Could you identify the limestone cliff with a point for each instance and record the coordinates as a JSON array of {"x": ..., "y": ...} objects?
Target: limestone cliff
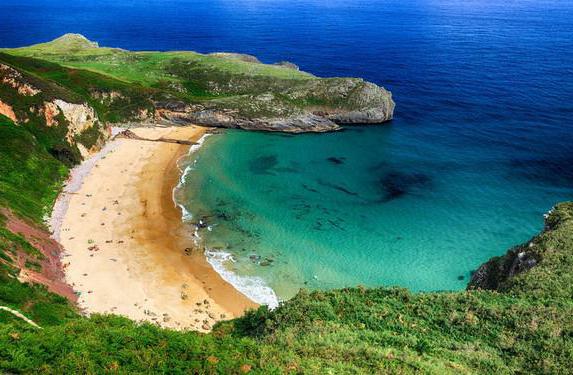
[
  {"x": 228, "y": 90},
  {"x": 536, "y": 267},
  {"x": 73, "y": 128}
]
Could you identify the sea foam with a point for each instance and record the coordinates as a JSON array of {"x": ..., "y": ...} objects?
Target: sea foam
[{"x": 252, "y": 287}]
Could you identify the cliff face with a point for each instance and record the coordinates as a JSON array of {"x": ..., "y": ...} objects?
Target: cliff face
[
  {"x": 541, "y": 267},
  {"x": 221, "y": 89},
  {"x": 69, "y": 124}
]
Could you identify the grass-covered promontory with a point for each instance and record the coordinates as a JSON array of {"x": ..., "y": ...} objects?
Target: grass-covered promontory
[
  {"x": 220, "y": 89},
  {"x": 517, "y": 316}
]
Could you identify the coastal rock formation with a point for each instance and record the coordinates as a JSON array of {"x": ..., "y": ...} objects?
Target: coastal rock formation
[
  {"x": 72, "y": 126},
  {"x": 539, "y": 258},
  {"x": 227, "y": 90},
  {"x": 363, "y": 103},
  {"x": 7, "y": 111},
  {"x": 493, "y": 274},
  {"x": 13, "y": 78}
]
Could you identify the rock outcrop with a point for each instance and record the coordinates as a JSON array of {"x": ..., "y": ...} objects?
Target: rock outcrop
[
  {"x": 228, "y": 90},
  {"x": 338, "y": 102},
  {"x": 80, "y": 117},
  {"x": 13, "y": 78},
  {"x": 539, "y": 254},
  {"x": 7, "y": 111},
  {"x": 495, "y": 272}
]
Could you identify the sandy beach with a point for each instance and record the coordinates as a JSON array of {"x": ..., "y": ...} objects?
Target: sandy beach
[{"x": 127, "y": 251}]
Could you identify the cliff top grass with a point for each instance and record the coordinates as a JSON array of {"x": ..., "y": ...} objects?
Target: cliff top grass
[
  {"x": 146, "y": 67},
  {"x": 222, "y": 81}
]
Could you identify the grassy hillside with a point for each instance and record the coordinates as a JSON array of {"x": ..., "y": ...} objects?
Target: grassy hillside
[
  {"x": 221, "y": 81},
  {"x": 29, "y": 180},
  {"x": 524, "y": 324}
]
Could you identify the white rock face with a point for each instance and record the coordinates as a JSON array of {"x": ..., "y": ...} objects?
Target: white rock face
[
  {"x": 79, "y": 116},
  {"x": 7, "y": 111}
]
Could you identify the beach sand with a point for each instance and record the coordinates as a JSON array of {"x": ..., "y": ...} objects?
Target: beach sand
[{"x": 125, "y": 242}]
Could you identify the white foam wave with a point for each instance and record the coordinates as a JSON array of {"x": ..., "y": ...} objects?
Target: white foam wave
[
  {"x": 186, "y": 214},
  {"x": 253, "y": 287}
]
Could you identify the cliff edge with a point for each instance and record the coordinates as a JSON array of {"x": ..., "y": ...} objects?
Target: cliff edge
[{"x": 219, "y": 89}]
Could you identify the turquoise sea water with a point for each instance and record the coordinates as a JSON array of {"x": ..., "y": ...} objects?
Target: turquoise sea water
[
  {"x": 371, "y": 206},
  {"x": 480, "y": 148}
]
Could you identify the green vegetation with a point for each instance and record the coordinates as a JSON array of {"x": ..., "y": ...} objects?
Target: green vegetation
[
  {"x": 29, "y": 181},
  {"x": 524, "y": 325},
  {"x": 238, "y": 82},
  {"x": 30, "y": 177}
]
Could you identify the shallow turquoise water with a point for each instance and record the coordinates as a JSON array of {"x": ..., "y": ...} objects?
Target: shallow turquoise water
[{"x": 372, "y": 206}]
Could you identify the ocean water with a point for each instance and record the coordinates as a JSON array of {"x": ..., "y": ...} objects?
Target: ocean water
[{"x": 480, "y": 148}]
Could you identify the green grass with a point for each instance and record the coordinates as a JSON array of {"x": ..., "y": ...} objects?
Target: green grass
[
  {"x": 216, "y": 81},
  {"x": 77, "y": 86},
  {"x": 30, "y": 177}
]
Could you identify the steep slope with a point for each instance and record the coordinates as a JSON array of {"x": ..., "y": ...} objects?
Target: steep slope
[
  {"x": 61, "y": 119},
  {"x": 30, "y": 178},
  {"x": 226, "y": 90}
]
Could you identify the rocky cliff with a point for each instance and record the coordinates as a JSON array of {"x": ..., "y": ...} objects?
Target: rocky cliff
[
  {"x": 539, "y": 267},
  {"x": 221, "y": 89},
  {"x": 68, "y": 123}
]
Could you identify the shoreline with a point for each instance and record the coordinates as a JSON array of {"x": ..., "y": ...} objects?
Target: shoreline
[
  {"x": 253, "y": 287},
  {"x": 127, "y": 249}
]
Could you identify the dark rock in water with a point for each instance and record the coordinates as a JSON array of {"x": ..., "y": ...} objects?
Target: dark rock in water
[
  {"x": 335, "y": 160},
  {"x": 461, "y": 277},
  {"x": 396, "y": 184},
  {"x": 222, "y": 215},
  {"x": 255, "y": 258},
  {"x": 264, "y": 263},
  {"x": 263, "y": 164},
  {"x": 312, "y": 190},
  {"x": 338, "y": 187}
]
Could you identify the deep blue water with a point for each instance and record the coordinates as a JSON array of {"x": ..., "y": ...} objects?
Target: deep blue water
[{"x": 479, "y": 149}]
